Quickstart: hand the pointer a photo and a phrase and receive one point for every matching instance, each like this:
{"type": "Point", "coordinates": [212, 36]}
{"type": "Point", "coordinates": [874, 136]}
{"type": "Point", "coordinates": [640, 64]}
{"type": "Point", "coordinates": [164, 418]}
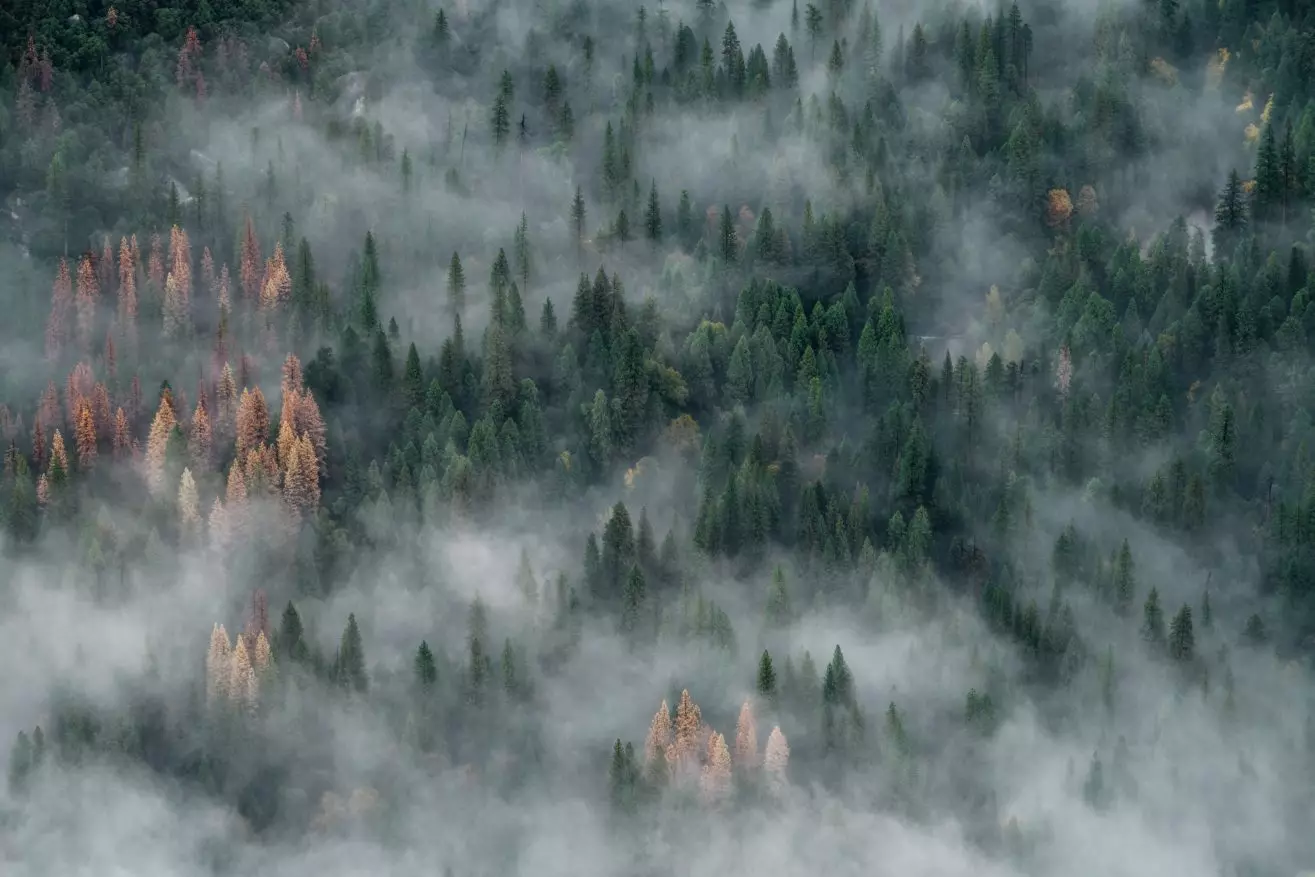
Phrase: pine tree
{"type": "Point", "coordinates": [218, 661]}
{"type": "Point", "coordinates": [88, 297]}
{"type": "Point", "coordinates": [776, 760]}
{"type": "Point", "coordinates": [778, 600]}
{"type": "Point", "coordinates": [252, 421]}
{"type": "Point", "coordinates": [301, 482]}
{"type": "Point", "coordinates": [634, 598]}
{"type": "Point", "coordinates": [1182, 640]}
{"type": "Point", "coordinates": [243, 688]}
{"type": "Point", "coordinates": [127, 301]}
{"type": "Point", "coordinates": [767, 679]}
{"type": "Point", "coordinates": [578, 220]}
{"type": "Point", "coordinates": [200, 439]}
{"type": "Point", "coordinates": [685, 743]}
{"type": "Point", "coordinates": [1152, 629]}
{"type": "Point", "coordinates": [728, 242]}
{"type": "Point", "coordinates": [659, 735]}
{"type": "Point", "coordinates": [746, 738]}
{"type": "Point", "coordinates": [85, 438]}
{"type": "Point", "coordinates": [653, 215]}
{"type": "Point", "coordinates": [189, 511]}
{"type": "Point", "coordinates": [61, 300]}
{"type": "Point", "coordinates": [424, 667]}
{"type": "Point", "coordinates": [715, 781]}
{"type": "Point", "coordinates": [350, 664]}
{"type": "Point", "coordinates": [251, 262]}
{"type": "Point", "coordinates": [157, 444]}
{"type": "Point", "coordinates": [1125, 584]}
{"type": "Point", "coordinates": [1230, 215]}
{"type": "Point", "coordinates": [456, 286]}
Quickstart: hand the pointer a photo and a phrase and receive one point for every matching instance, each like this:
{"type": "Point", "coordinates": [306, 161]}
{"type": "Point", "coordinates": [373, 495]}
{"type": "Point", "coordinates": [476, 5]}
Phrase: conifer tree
{"type": "Point", "coordinates": [746, 738]}
{"type": "Point", "coordinates": [217, 663]}
{"type": "Point", "coordinates": [200, 439]}
{"type": "Point", "coordinates": [189, 511]}
{"type": "Point", "coordinates": [252, 421]}
{"type": "Point", "coordinates": [456, 286]}
{"type": "Point", "coordinates": [578, 220]}
{"type": "Point", "coordinates": [653, 215]}
{"type": "Point", "coordinates": [88, 298]}
{"type": "Point", "coordinates": [715, 781]}
{"type": "Point", "coordinates": [350, 664]}
{"type": "Point", "coordinates": [61, 300]}
{"type": "Point", "coordinates": [127, 301]}
{"type": "Point", "coordinates": [424, 667]}
{"type": "Point", "coordinates": [686, 739]}
{"type": "Point", "coordinates": [634, 598]}
{"type": "Point", "coordinates": [1182, 640]}
{"type": "Point", "coordinates": [778, 600]}
{"type": "Point", "coordinates": [157, 444]}
{"type": "Point", "coordinates": [251, 262]}
{"type": "Point", "coordinates": [243, 688]}
{"type": "Point", "coordinates": [122, 443]}
{"type": "Point", "coordinates": [766, 682]}
{"type": "Point", "coordinates": [776, 760]}
{"type": "Point", "coordinates": [85, 438]}
{"type": "Point", "coordinates": [659, 735]}
{"type": "Point", "coordinates": [1152, 629]}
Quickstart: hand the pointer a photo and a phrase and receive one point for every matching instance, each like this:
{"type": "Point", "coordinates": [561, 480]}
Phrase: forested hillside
{"type": "Point", "coordinates": [577, 437]}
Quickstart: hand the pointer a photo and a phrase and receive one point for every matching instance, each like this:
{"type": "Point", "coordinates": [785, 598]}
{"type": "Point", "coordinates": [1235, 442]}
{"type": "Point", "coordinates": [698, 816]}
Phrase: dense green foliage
{"type": "Point", "coordinates": [992, 333]}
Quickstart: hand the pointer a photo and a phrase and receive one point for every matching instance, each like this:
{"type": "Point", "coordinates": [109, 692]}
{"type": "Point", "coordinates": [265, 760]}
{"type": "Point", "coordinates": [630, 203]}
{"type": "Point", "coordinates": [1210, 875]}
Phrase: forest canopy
{"type": "Point", "coordinates": [585, 437]}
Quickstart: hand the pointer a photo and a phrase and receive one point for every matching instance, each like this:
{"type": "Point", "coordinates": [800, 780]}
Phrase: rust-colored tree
{"type": "Point", "coordinates": [187, 70]}
{"type": "Point", "coordinates": [252, 421]}
{"type": "Point", "coordinates": [1059, 207]}
{"type": "Point", "coordinates": [291, 375]}
{"type": "Point", "coordinates": [715, 782]}
{"type": "Point", "coordinates": [746, 739]}
{"type": "Point", "coordinates": [262, 659]}
{"type": "Point", "coordinates": [218, 661]}
{"type": "Point", "coordinates": [122, 444]}
{"type": "Point", "coordinates": [235, 502]}
{"type": "Point", "coordinates": [78, 389]}
{"type": "Point", "coordinates": [157, 444]}
{"type": "Point", "coordinates": [243, 688]}
{"type": "Point", "coordinates": [659, 734]}
{"type": "Point", "coordinates": [128, 291]}
{"type": "Point", "coordinates": [689, 724]}
{"type": "Point", "coordinates": [200, 439]}
{"type": "Point", "coordinates": [61, 300]}
{"type": "Point", "coordinates": [84, 437]}
{"type": "Point", "coordinates": [301, 480]}
{"type": "Point", "coordinates": [58, 454]}
{"type": "Point", "coordinates": [87, 301]}
{"type": "Point", "coordinates": [226, 401]}
{"type": "Point", "coordinates": [308, 422]}
{"type": "Point", "coordinates": [277, 286]}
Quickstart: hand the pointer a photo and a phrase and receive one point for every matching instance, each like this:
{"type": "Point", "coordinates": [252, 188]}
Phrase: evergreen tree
{"type": "Point", "coordinates": [766, 682]}
{"type": "Point", "coordinates": [350, 664]}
